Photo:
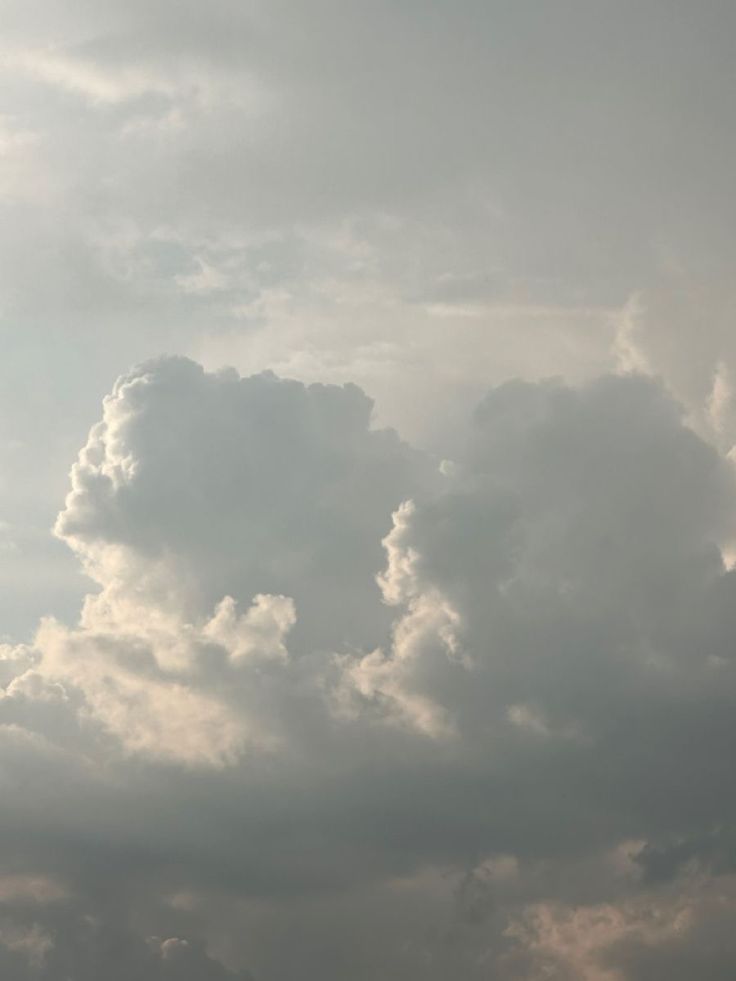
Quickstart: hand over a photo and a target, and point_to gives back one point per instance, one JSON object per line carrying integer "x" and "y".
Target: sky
{"x": 367, "y": 490}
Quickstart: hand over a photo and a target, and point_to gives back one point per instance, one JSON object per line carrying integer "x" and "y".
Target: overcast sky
{"x": 367, "y": 502}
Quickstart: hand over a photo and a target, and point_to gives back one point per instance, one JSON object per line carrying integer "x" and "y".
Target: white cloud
{"x": 164, "y": 658}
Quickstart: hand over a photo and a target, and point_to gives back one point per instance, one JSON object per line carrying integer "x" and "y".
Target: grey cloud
{"x": 582, "y": 591}
{"x": 675, "y": 934}
{"x": 154, "y": 153}
{"x": 505, "y": 756}
{"x": 504, "y": 752}
{"x": 243, "y": 486}
{"x": 48, "y": 944}
{"x": 230, "y": 524}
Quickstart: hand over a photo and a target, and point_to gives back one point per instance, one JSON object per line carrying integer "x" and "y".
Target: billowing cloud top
{"x": 332, "y": 707}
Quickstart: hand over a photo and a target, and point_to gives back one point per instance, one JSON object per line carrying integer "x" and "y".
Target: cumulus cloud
{"x": 579, "y": 550}
{"x": 197, "y": 486}
{"x": 332, "y": 704}
{"x": 196, "y": 493}
{"x": 243, "y": 185}
{"x": 286, "y": 696}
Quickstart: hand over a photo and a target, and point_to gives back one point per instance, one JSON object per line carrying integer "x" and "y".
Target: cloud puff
{"x": 578, "y": 547}
{"x": 198, "y": 496}
{"x": 196, "y": 486}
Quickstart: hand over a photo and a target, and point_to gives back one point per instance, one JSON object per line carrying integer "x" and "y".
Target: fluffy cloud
{"x": 199, "y": 496}
{"x": 332, "y": 705}
{"x": 418, "y": 205}
{"x": 576, "y": 554}
{"x": 197, "y": 486}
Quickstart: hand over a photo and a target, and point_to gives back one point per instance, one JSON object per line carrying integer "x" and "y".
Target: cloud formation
{"x": 419, "y": 202}
{"x": 286, "y": 694}
{"x": 333, "y": 706}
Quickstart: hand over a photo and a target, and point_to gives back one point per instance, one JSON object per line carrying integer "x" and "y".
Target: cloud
{"x": 579, "y": 540}
{"x": 680, "y": 328}
{"x": 674, "y": 933}
{"x": 198, "y": 496}
{"x": 209, "y": 485}
{"x": 284, "y": 697}
{"x": 416, "y": 718}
